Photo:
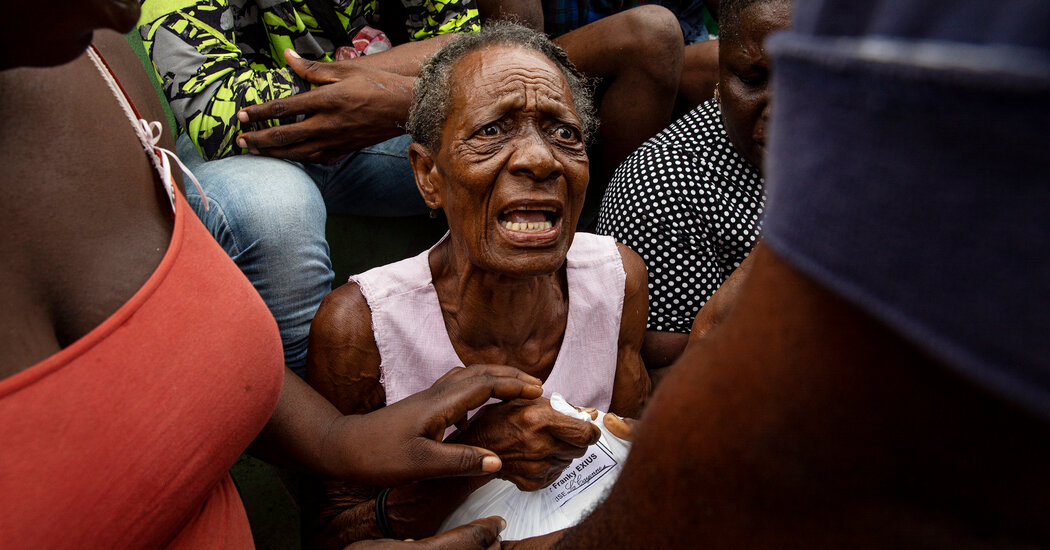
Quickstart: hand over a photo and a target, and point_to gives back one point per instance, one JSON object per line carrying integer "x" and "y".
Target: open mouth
{"x": 530, "y": 219}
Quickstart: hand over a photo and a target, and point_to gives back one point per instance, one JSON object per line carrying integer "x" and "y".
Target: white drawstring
{"x": 149, "y": 133}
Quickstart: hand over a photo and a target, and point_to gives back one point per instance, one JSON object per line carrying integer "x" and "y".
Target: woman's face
{"x": 67, "y": 31}
{"x": 512, "y": 168}
{"x": 743, "y": 79}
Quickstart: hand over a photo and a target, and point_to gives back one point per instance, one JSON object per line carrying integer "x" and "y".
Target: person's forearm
{"x": 299, "y": 430}
{"x": 406, "y": 59}
{"x": 413, "y": 511}
{"x": 661, "y": 348}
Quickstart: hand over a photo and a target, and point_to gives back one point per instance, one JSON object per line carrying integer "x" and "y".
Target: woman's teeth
{"x": 527, "y": 226}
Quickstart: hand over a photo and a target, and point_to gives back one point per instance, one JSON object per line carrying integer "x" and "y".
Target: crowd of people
{"x": 802, "y": 266}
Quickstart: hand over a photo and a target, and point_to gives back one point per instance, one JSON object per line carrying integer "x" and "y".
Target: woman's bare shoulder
{"x": 343, "y": 360}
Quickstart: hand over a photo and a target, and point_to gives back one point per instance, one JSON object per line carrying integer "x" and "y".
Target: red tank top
{"x": 124, "y": 439}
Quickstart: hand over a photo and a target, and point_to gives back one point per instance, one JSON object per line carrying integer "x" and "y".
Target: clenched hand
{"x": 535, "y": 442}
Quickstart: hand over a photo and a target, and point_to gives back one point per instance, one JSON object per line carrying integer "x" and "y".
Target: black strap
{"x": 324, "y": 12}
{"x": 381, "y": 517}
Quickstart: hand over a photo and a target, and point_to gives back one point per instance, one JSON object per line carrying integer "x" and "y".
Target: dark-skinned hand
{"x": 535, "y": 442}
{"x": 400, "y": 443}
{"x": 481, "y": 534}
{"x": 355, "y": 105}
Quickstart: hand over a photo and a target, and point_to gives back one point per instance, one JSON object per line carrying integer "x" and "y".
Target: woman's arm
{"x": 343, "y": 364}
{"x": 631, "y": 386}
{"x": 398, "y": 443}
{"x": 530, "y": 438}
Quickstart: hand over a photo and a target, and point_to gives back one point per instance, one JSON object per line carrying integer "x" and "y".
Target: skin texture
{"x": 358, "y": 102}
{"x": 743, "y": 78}
{"x": 635, "y": 96}
{"x": 86, "y": 224}
{"x": 53, "y": 286}
{"x": 511, "y": 139}
{"x": 699, "y": 75}
{"x": 801, "y": 422}
{"x": 744, "y": 90}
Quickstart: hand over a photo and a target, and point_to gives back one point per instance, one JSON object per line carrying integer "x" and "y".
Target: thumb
{"x": 480, "y": 533}
{"x": 314, "y": 72}
{"x": 451, "y": 459}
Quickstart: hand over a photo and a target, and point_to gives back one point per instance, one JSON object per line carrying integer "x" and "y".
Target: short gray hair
{"x": 433, "y": 97}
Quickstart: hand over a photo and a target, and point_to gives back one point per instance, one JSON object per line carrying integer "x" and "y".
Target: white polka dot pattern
{"x": 690, "y": 205}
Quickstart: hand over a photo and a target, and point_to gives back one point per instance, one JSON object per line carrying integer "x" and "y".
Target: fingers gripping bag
{"x": 563, "y": 503}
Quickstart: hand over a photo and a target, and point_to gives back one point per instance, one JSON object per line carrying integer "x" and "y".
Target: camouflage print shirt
{"x": 214, "y": 57}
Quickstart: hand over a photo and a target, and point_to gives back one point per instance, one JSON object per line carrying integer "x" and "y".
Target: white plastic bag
{"x": 563, "y": 503}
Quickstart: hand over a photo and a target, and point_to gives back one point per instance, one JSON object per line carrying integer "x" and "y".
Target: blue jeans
{"x": 269, "y": 215}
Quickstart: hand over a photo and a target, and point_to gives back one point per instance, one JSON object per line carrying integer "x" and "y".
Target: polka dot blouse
{"x": 689, "y": 204}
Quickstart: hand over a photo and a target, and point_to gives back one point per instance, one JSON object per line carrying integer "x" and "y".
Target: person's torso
{"x": 415, "y": 348}
{"x": 124, "y": 437}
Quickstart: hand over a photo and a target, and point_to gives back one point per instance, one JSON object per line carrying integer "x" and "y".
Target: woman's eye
{"x": 565, "y": 133}
{"x": 753, "y": 80}
{"x": 490, "y": 130}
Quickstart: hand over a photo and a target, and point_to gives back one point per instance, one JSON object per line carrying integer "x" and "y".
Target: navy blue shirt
{"x": 909, "y": 172}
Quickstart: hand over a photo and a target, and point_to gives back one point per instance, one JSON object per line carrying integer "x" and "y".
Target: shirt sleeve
{"x": 429, "y": 18}
{"x": 206, "y": 76}
{"x": 653, "y": 205}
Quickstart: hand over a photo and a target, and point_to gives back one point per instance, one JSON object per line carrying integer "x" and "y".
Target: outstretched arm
{"x": 307, "y": 430}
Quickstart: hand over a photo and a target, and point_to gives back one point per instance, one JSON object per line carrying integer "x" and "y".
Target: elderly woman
{"x": 138, "y": 362}
{"x": 689, "y": 200}
{"x": 500, "y": 123}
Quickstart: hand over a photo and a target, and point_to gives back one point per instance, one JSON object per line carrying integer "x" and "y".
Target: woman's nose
{"x": 533, "y": 156}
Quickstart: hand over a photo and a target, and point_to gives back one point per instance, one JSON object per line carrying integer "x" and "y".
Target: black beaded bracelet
{"x": 381, "y": 517}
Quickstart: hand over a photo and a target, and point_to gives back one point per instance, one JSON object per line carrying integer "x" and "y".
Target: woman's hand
{"x": 400, "y": 443}
{"x": 535, "y": 442}
{"x": 481, "y": 534}
{"x": 393, "y": 445}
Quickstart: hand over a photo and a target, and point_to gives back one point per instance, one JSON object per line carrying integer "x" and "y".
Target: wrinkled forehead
{"x": 507, "y": 73}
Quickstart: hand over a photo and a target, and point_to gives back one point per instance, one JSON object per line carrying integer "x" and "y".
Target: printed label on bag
{"x": 581, "y": 474}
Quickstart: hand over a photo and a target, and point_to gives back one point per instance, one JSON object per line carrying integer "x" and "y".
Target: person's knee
{"x": 278, "y": 219}
{"x": 652, "y": 33}
{"x": 279, "y": 209}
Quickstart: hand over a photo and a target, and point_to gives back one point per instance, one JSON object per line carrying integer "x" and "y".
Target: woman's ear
{"x": 425, "y": 172}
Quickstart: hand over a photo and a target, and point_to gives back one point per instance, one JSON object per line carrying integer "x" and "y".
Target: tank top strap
{"x": 149, "y": 133}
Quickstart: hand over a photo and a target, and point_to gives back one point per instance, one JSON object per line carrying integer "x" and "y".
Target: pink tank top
{"x": 124, "y": 439}
{"x": 415, "y": 348}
